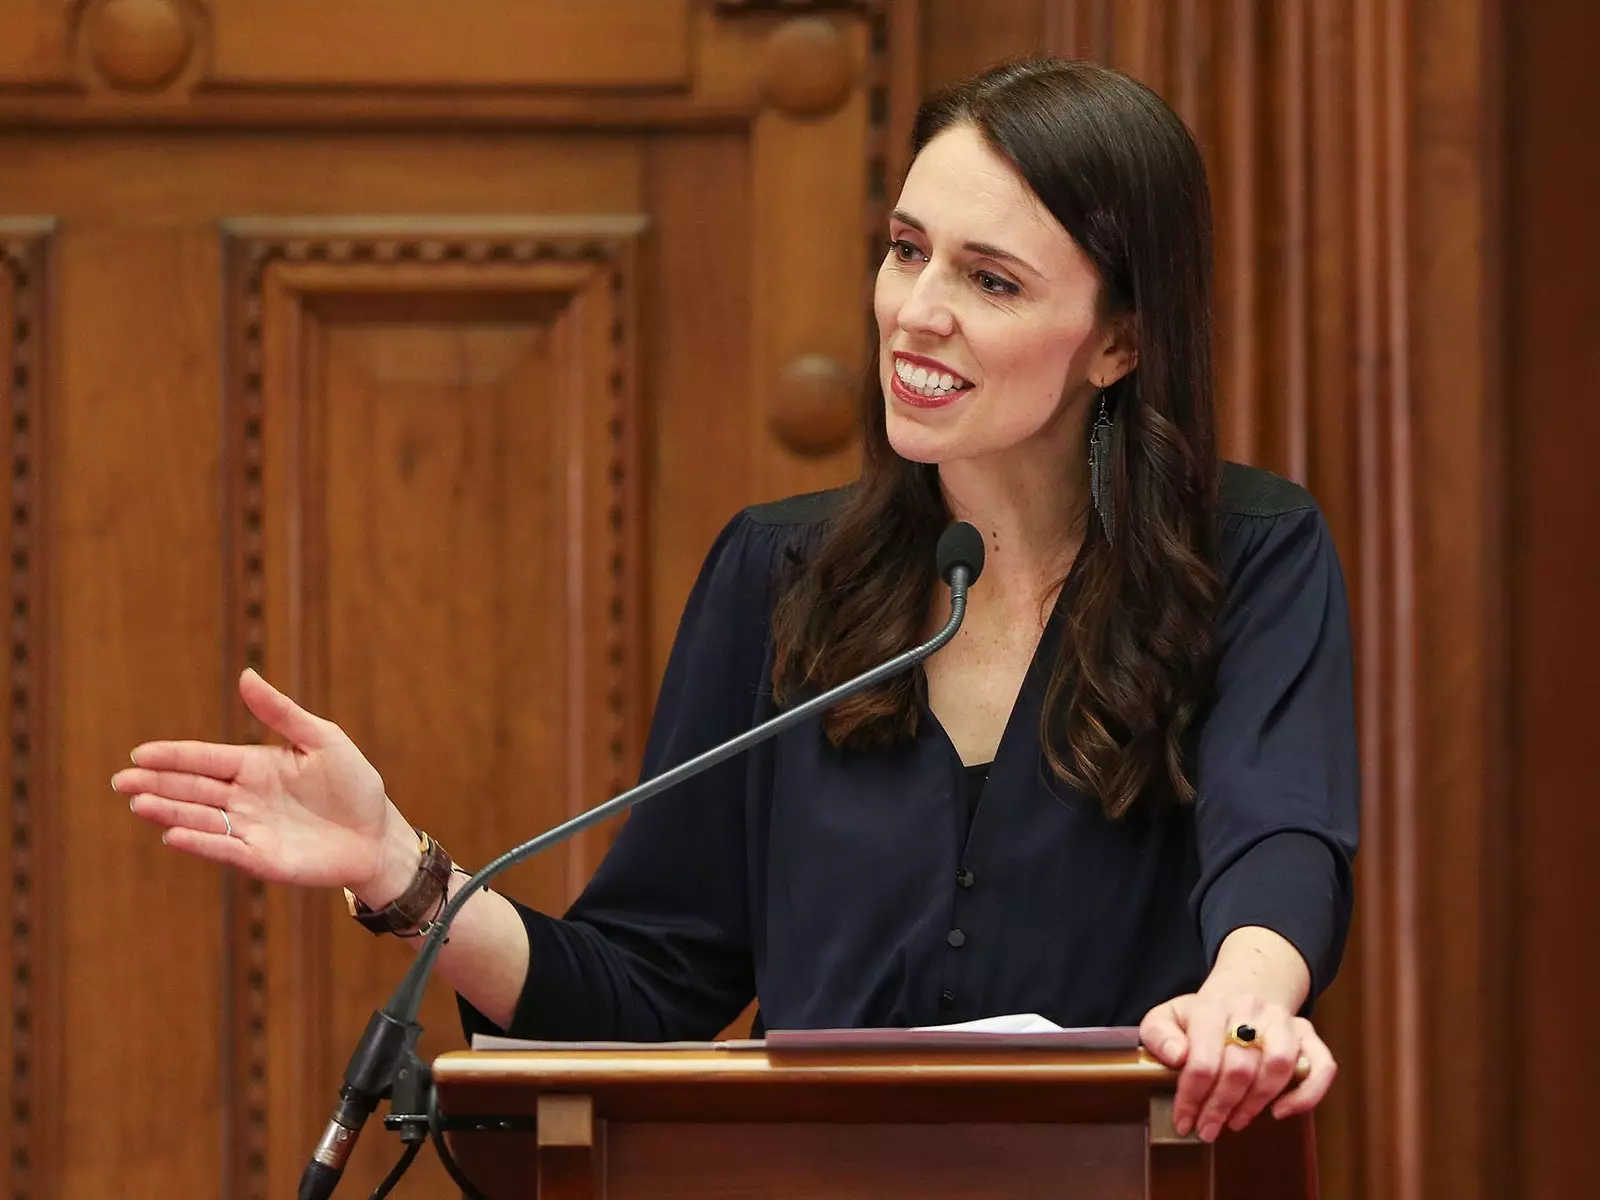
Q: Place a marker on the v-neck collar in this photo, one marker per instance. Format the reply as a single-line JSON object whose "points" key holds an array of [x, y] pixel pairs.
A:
{"points": [[1019, 753]]}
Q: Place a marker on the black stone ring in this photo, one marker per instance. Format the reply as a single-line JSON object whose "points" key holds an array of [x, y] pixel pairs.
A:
{"points": [[1243, 1035]]}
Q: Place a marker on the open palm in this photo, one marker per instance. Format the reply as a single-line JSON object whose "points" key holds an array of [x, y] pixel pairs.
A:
{"points": [[312, 812]]}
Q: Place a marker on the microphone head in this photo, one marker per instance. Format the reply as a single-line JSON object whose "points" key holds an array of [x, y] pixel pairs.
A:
{"points": [[960, 545]]}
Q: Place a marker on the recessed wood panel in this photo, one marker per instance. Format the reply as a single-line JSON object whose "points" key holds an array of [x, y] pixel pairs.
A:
{"points": [[474, 43], [866, 1162], [439, 553]]}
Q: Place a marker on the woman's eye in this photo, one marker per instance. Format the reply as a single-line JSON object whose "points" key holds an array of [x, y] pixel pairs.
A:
{"points": [[902, 251], [990, 282]]}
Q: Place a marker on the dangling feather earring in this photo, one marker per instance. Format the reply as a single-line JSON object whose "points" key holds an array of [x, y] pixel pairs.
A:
{"points": [[1100, 466]]}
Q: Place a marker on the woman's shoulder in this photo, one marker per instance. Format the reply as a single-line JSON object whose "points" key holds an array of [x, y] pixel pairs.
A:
{"points": [[1273, 535], [1245, 491], [761, 543], [808, 510]]}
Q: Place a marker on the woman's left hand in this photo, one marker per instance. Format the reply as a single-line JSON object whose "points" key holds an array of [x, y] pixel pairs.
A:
{"points": [[1222, 1084]]}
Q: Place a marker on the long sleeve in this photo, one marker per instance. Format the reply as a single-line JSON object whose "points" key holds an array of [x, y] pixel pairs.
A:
{"points": [[657, 947], [1277, 775]]}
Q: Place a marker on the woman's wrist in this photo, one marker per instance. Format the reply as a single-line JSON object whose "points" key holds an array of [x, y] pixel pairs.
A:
{"points": [[398, 859], [1263, 964]]}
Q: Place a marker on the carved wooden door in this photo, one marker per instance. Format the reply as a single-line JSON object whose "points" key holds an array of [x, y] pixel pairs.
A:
{"points": [[413, 353]]}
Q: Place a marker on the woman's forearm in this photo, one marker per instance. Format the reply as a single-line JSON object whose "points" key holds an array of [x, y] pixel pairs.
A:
{"points": [[485, 959]]}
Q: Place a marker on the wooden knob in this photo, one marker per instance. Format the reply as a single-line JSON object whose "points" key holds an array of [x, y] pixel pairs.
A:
{"points": [[814, 406], [139, 45], [807, 69]]}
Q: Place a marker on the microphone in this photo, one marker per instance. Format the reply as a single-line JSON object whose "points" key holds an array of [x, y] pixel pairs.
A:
{"points": [[385, 1057], [960, 545]]}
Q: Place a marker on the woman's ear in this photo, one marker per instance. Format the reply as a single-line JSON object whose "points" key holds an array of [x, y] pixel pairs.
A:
{"points": [[1118, 353]]}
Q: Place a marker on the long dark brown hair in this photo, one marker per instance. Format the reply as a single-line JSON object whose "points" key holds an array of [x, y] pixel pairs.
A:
{"points": [[1120, 173]]}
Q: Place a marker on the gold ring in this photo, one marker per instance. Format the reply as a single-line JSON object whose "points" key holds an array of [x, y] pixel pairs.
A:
{"points": [[1244, 1034]]}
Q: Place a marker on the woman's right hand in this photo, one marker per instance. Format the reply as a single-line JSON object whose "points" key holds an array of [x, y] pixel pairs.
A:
{"points": [[313, 812]]}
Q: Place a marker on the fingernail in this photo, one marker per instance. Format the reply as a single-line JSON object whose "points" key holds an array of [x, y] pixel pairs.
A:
{"points": [[163, 839], [1172, 1047], [1209, 1133], [132, 759], [131, 799], [114, 786], [1181, 1124]]}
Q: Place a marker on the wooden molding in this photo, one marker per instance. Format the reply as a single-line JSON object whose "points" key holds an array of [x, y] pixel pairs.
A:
{"points": [[28, 1039], [594, 63], [737, 8]]}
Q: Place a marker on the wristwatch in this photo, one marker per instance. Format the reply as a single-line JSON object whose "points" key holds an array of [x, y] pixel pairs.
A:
{"points": [[413, 911]]}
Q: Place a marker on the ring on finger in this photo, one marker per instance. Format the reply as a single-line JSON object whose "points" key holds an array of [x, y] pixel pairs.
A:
{"points": [[227, 823], [1244, 1034]]}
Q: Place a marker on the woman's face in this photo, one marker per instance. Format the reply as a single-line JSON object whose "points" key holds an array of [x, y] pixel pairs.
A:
{"points": [[986, 308]]}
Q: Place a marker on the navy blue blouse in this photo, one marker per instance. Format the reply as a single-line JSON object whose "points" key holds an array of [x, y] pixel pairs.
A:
{"points": [[849, 890]]}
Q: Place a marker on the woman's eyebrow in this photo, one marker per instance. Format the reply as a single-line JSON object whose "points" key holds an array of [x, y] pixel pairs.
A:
{"points": [[983, 248]]}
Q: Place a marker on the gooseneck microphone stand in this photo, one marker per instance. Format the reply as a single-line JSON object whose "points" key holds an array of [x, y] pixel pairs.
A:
{"points": [[385, 1062]]}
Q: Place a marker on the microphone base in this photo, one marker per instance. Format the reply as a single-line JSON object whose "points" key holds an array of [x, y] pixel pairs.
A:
{"points": [[409, 1099]]}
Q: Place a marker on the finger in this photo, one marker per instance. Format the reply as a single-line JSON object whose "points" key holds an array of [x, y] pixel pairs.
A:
{"points": [[196, 758], [174, 785], [1308, 1094], [1204, 1031], [218, 848], [194, 818], [1239, 1070], [282, 715], [1161, 1031], [1279, 1043]]}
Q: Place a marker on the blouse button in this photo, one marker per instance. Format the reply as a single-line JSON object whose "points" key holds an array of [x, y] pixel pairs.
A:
{"points": [[947, 999], [964, 878], [956, 938]]}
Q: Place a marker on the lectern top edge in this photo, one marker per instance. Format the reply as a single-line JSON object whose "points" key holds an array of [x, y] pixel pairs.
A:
{"points": [[577, 1068]]}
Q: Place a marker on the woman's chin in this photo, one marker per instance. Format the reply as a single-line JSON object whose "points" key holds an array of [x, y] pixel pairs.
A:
{"points": [[915, 442]]}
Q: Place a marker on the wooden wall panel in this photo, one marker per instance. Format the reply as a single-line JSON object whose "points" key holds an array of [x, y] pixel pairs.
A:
{"points": [[436, 541], [959, 38], [134, 560], [1552, 257], [1353, 184], [1454, 159], [150, 180], [697, 392]]}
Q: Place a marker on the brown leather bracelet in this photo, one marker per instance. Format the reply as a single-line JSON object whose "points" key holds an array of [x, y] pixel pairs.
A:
{"points": [[415, 908]]}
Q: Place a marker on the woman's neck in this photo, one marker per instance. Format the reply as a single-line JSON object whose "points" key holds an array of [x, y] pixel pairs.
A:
{"points": [[1031, 519]]}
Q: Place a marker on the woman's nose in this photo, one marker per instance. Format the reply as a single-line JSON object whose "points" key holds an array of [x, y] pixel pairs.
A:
{"points": [[927, 307]]}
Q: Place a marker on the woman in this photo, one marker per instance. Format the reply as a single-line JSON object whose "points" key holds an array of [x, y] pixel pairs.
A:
{"points": [[1125, 792]]}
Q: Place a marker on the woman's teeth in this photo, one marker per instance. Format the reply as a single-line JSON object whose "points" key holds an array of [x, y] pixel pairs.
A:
{"points": [[926, 382]]}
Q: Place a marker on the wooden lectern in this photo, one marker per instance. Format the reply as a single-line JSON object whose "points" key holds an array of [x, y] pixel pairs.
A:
{"points": [[738, 1121]]}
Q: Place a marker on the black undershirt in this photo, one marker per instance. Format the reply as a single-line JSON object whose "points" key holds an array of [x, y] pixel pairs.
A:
{"points": [[977, 776]]}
